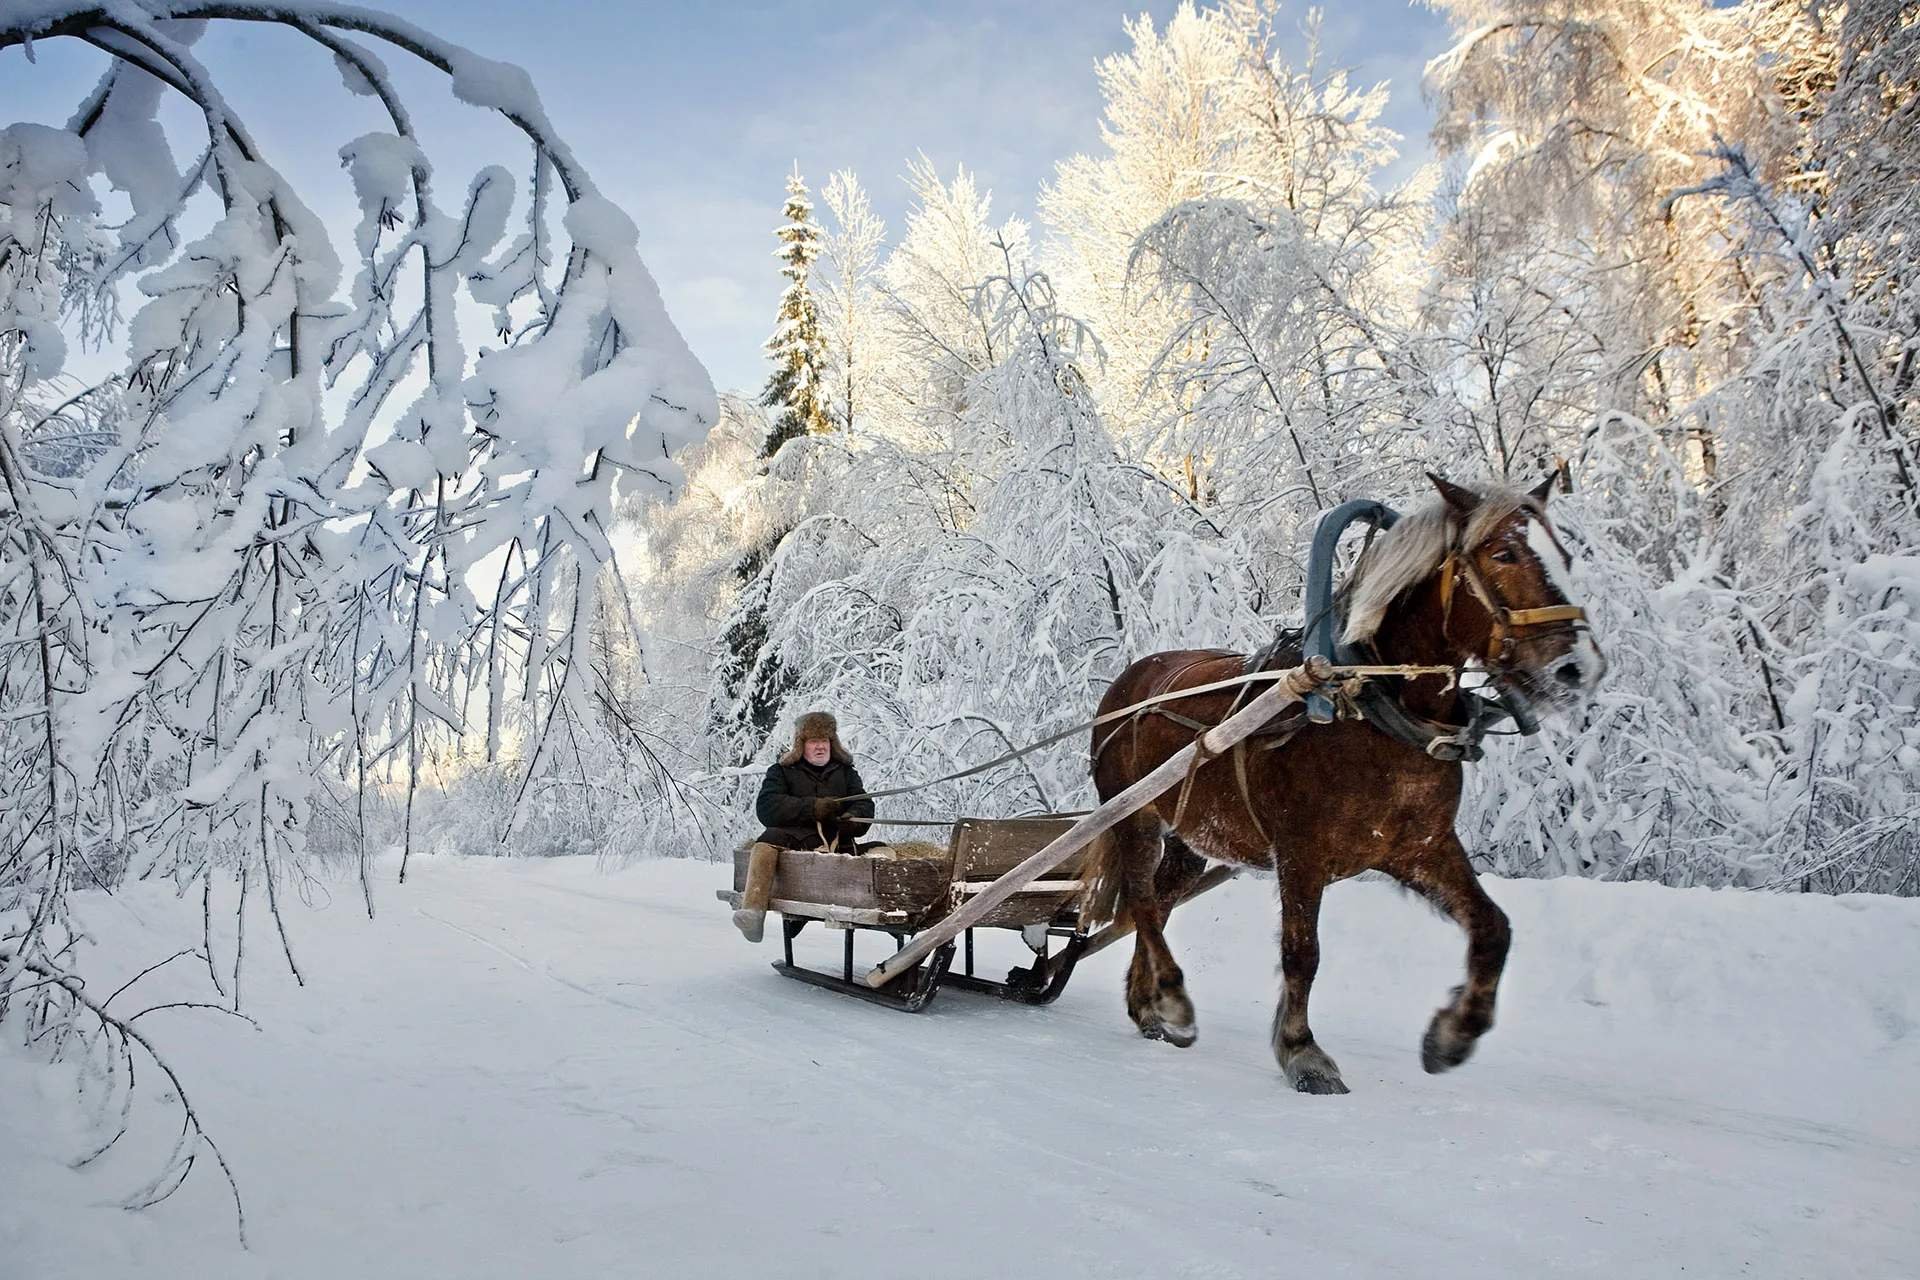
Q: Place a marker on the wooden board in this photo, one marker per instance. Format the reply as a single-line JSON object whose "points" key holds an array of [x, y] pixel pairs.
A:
{"points": [[827, 911], [988, 848], [984, 849], [912, 886]]}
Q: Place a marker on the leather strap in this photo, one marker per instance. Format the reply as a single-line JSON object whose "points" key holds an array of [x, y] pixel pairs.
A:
{"points": [[1246, 791], [1442, 741], [1546, 615], [1504, 621]]}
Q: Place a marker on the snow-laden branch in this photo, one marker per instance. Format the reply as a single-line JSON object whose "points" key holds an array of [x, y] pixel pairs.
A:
{"points": [[273, 551]]}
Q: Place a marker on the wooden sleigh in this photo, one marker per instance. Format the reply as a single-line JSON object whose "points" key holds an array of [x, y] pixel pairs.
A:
{"points": [[904, 897], [901, 896]]}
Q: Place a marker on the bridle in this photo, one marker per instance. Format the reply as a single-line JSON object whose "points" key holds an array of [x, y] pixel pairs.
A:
{"points": [[1507, 627], [1374, 701]]}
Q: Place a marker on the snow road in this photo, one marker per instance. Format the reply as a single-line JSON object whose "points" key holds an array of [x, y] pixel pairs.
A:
{"points": [[533, 1069]]}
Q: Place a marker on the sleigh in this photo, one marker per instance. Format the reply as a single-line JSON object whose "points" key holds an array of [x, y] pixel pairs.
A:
{"points": [[902, 896], [906, 897]]}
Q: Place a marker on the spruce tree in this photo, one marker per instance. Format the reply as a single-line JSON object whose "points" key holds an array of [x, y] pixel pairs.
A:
{"points": [[797, 347]]}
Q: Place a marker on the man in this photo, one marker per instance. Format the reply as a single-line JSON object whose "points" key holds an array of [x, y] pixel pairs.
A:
{"points": [[804, 803]]}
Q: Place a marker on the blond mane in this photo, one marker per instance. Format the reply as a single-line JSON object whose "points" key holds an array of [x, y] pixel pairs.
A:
{"points": [[1409, 553]]}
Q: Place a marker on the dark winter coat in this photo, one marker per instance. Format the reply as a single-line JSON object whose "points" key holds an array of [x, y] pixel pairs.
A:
{"points": [[785, 804]]}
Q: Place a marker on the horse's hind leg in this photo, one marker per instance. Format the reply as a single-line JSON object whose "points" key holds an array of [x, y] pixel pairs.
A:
{"points": [[1180, 868], [1446, 879], [1306, 1064], [1156, 989]]}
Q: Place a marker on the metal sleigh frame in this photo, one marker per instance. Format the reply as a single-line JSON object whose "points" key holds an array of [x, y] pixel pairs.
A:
{"points": [[914, 990]]}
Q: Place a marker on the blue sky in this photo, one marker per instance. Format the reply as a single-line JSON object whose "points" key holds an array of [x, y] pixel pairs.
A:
{"points": [[690, 117]]}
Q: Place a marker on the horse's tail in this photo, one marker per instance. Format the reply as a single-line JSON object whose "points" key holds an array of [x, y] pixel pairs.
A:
{"points": [[1102, 876]]}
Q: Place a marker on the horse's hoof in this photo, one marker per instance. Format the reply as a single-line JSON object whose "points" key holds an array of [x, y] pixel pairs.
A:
{"points": [[1444, 1047], [1177, 1036], [1311, 1071], [1316, 1082]]}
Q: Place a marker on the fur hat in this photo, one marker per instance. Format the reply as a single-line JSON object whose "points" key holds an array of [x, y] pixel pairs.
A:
{"points": [[816, 724]]}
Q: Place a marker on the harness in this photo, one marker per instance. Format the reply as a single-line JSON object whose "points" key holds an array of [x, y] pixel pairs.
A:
{"points": [[1442, 740], [1277, 733], [1359, 696]]}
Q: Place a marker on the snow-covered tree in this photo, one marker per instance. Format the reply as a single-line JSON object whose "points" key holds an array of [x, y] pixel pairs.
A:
{"points": [[1165, 129], [1519, 352], [934, 328], [287, 529], [797, 391], [849, 297], [1676, 219], [750, 682], [1584, 118], [1669, 254], [944, 646]]}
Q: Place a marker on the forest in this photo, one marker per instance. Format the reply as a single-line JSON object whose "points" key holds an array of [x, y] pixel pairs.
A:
{"points": [[326, 549], [1664, 251]]}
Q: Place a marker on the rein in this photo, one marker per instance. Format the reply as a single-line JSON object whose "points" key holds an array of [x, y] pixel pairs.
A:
{"points": [[1354, 672]]}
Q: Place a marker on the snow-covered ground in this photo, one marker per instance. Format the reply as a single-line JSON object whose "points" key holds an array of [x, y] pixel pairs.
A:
{"points": [[533, 1069]]}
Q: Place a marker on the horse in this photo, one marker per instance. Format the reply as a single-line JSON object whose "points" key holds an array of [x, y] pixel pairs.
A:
{"points": [[1472, 579]]}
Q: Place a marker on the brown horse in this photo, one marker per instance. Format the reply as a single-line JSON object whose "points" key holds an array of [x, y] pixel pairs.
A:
{"points": [[1472, 579]]}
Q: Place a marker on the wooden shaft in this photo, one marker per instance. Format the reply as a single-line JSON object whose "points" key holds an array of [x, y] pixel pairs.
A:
{"points": [[1215, 741]]}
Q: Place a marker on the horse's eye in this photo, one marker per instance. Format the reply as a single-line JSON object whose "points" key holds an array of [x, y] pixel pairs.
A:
{"points": [[1505, 555]]}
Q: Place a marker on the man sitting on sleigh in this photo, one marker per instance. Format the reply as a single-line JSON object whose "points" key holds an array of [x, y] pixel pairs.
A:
{"points": [[805, 803]]}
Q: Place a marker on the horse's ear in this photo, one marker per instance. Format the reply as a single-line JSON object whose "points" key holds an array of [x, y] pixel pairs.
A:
{"points": [[1540, 491], [1461, 499]]}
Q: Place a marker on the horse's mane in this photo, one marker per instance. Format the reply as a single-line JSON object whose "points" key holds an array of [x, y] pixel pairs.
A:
{"points": [[1406, 555]]}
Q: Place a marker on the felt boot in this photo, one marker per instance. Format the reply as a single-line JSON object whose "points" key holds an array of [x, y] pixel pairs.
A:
{"points": [[751, 918]]}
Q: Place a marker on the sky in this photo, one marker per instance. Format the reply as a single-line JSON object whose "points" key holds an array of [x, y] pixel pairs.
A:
{"points": [[690, 117]]}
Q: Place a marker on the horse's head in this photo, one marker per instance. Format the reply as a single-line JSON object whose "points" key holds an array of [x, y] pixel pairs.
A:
{"points": [[1506, 596], [1497, 575]]}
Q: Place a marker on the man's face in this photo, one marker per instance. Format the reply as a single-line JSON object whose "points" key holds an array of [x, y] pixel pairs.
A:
{"points": [[818, 751]]}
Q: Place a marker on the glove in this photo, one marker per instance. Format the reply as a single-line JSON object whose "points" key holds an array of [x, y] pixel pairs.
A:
{"points": [[827, 807]]}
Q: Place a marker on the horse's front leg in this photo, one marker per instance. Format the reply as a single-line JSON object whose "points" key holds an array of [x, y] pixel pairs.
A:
{"points": [[1446, 879], [1306, 1064], [1156, 989]]}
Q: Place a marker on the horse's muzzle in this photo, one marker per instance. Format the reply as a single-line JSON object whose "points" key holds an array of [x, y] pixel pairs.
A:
{"points": [[1571, 678]]}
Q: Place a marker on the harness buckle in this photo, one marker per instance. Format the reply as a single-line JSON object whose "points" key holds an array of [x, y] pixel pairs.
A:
{"points": [[1454, 748]]}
